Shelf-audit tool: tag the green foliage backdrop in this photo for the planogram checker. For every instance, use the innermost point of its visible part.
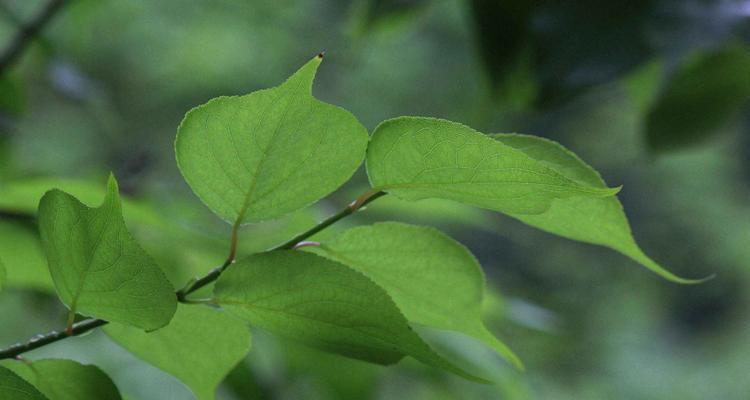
(370, 246)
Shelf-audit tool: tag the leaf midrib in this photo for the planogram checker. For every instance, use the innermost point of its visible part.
(84, 273)
(264, 157)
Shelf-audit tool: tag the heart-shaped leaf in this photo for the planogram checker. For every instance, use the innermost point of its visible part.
(268, 153)
(98, 268)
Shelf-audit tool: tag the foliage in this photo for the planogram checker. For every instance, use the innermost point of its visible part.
(269, 153)
(98, 268)
(13, 386)
(588, 219)
(65, 380)
(372, 293)
(189, 347)
(705, 94)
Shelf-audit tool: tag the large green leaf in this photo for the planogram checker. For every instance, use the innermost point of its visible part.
(702, 97)
(66, 379)
(268, 153)
(416, 158)
(13, 387)
(599, 221)
(433, 279)
(199, 346)
(97, 267)
(325, 304)
(22, 252)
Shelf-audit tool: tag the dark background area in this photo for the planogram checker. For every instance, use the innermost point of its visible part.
(652, 93)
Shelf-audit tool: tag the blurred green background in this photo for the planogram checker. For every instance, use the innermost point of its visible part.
(652, 93)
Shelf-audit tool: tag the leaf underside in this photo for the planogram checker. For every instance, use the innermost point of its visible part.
(271, 152)
(13, 387)
(199, 346)
(433, 279)
(600, 221)
(98, 268)
(416, 158)
(324, 304)
(66, 379)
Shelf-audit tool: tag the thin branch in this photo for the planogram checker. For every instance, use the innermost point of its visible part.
(27, 33)
(54, 336)
(84, 326)
(21, 216)
(350, 209)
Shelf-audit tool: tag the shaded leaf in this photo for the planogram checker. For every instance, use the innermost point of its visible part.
(3, 276)
(642, 85)
(268, 153)
(599, 221)
(22, 196)
(375, 14)
(199, 346)
(66, 379)
(702, 97)
(12, 97)
(503, 37)
(324, 304)
(21, 249)
(98, 268)
(13, 387)
(433, 279)
(416, 158)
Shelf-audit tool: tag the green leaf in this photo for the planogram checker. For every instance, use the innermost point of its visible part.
(22, 196)
(3, 276)
(97, 267)
(21, 250)
(13, 387)
(66, 379)
(199, 346)
(600, 221)
(369, 15)
(256, 157)
(433, 279)
(703, 96)
(416, 158)
(324, 304)
(12, 96)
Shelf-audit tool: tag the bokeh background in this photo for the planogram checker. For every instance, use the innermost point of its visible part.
(652, 93)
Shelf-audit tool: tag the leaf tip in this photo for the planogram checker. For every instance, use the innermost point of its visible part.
(608, 192)
(517, 362)
(321, 55)
(112, 183)
(686, 281)
(678, 279)
(113, 190)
